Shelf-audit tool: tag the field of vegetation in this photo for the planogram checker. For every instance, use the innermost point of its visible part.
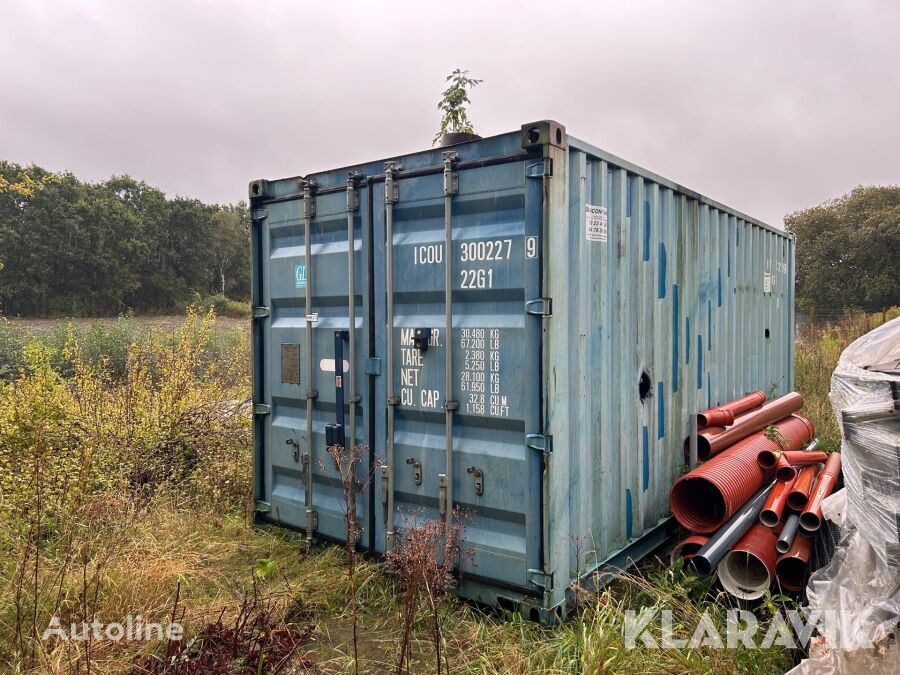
(125, 489)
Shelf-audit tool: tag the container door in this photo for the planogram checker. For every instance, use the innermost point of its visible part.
(310, 355)
(477, 385)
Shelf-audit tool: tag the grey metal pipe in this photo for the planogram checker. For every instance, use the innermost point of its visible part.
(788, 532)
(707, 558)
(390, 196)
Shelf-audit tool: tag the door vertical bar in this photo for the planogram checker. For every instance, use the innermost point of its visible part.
(352, 207)
(309, 210)
(391, 195)
(451, 187)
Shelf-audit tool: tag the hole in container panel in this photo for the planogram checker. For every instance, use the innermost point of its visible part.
(558, 136)
(644, 385)
(534, 135)
(767, 333)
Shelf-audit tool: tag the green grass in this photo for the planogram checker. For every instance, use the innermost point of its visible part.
(194, 535)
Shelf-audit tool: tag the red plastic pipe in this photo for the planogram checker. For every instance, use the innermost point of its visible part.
(723, 415)
(770, 516)
(791, 567)
(811, 516)
(749, 568)
(799, 494)
(706, 497)
(715, 416)
(749, 423)
(687, 547)
(768, 459)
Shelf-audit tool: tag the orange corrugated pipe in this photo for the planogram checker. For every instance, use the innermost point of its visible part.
(749, 423)
(723, 415)
(811, 516)
(770, 516)
(687, 547)
(790, 568)
(706, 497)
(799, 494)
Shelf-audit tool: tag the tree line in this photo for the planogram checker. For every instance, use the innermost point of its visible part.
(73, 248)
(847, 251)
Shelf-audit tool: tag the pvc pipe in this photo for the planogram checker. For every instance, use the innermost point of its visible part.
(771, 512)
(749, 568)
(707, 558)
(721, 414)
(749, 423)
(799, 494)
(769, 458)
(788, 532)
(791, 567)
(811, 517)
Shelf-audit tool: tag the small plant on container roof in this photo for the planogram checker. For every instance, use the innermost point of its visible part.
(455, 119)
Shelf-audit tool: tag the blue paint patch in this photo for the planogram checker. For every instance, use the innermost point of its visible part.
(676, 323)
(628, 190)
(708, 391)
(300, 276)
(645, 454)
(729, 252)
(646, 230)
(720, 288)
(687, 339)
(699, 362)
(662, 270)
(628, 514)
(709, 326)
(660, 411)
(737, 237)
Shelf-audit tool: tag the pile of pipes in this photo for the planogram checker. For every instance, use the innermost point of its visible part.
(755, 502)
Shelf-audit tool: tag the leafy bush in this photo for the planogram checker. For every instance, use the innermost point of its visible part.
(225, 307)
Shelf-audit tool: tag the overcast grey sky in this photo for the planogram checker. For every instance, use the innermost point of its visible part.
(768, 106)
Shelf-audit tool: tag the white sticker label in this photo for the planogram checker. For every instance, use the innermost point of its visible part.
(313, 318)
(767, 282)
(594, 222)
(327, 366)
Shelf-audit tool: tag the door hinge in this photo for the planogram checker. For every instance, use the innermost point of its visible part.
(540, 578)
(309, 200)
(261, 409)
(540, 169)
(539, 307)
(260, 312)
(352, 192)
(262, 507)
(540, 442)
(373, 366)
(259, 214)
(451, 179)
(391, 187)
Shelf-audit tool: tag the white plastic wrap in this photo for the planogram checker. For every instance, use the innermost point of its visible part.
(860, 596)
(865, 394)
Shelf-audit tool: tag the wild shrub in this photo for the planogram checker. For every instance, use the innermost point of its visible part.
(82, 454)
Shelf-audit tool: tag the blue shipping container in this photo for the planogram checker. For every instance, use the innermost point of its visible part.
(520, 326)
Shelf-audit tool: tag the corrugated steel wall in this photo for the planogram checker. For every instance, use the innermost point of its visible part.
(696, 297)
(693, 296)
